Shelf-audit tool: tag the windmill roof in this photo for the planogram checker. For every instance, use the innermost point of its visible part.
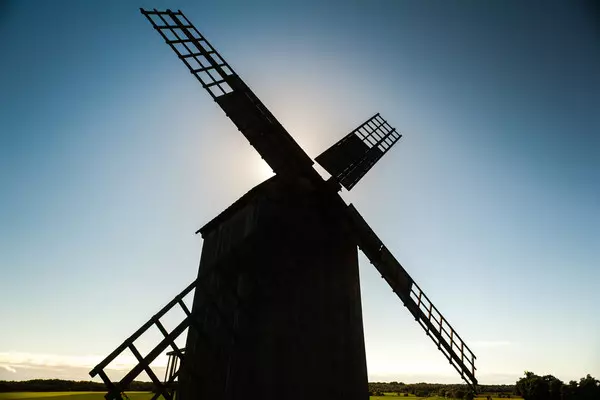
(236, 205)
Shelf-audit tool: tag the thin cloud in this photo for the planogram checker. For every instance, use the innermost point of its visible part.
(23, 366)
(8, 368)
(36, 360)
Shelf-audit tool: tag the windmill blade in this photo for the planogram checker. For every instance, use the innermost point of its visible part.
(428, 316)
(274, 144)
(349, 159)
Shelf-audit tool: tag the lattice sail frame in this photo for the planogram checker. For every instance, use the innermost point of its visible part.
(355, 154)
(201, 58)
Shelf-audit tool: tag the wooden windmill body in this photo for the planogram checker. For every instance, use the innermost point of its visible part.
(284, 287)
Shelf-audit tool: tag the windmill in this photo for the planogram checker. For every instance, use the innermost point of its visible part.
(276, 305)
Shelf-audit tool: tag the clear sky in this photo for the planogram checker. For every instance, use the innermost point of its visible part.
(112, 155)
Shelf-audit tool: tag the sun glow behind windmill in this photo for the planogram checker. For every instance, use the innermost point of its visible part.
(277, 306)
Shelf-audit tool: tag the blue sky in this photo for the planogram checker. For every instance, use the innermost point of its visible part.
(112, 155)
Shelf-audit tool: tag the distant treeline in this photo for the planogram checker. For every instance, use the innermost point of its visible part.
(438, 389)
(548, 387)
(59, 385)
(530, 387)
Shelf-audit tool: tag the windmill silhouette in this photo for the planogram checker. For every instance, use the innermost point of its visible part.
(276, 310)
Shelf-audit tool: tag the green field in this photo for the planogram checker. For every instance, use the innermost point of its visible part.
(68, 395)
(147, 396)
(390, 396)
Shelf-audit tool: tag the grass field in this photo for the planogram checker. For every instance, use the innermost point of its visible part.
(147, 396)
(68, 395)
(390, 396)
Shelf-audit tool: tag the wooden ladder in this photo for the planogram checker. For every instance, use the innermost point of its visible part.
(143, 363)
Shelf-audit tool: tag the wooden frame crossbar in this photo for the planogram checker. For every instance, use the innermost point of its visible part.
(143, 363)
(172, 371)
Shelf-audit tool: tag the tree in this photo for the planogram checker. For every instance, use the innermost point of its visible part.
(554, 387)
(589, 388)
(532, 387)
(569, 392)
